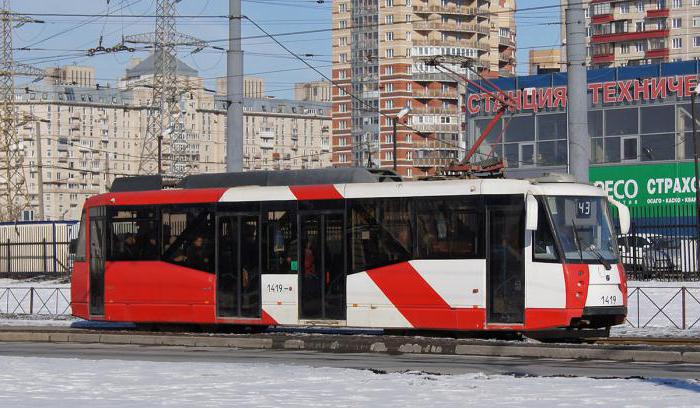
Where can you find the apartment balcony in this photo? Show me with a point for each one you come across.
(433, 76)
(435, 111)
(657, 53)
(441, 26)
(603, 58)
(478, 45)
(435, 127)
(506, 41)
(453, 9)
(628, 36)
(602, 18)
(658, 13)
(427, 162)
(266, 134)
(435, 93)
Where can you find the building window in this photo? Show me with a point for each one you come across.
(624, 48)
(624, 8)
(696, 41)
(677, 23)
(389, 3)
(599, 9)
(389, 36)
(389, 19)
(389, 53)
(676, 4)
(677, 42)
(640, 5)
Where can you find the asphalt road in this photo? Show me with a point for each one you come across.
(438, 364)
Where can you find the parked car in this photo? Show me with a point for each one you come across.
(682, 250)
(644, 257)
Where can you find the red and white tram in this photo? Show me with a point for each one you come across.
(483, 254)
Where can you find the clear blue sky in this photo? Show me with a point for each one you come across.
(62, 40)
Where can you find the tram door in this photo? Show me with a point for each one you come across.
(506, 268)
(322, 267)
(98, 245)
(238, 266)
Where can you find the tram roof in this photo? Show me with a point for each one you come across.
(261, 178)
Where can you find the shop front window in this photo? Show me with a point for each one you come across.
(621, 122)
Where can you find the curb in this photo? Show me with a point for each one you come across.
(328, 343)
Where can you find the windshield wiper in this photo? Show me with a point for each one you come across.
(577, 239)
(600, 257)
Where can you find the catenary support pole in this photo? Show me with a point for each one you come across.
(39, 170)
(234, 90)
(693, 116)
(394, 122)
(579, 142)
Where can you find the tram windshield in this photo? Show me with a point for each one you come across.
(584, 228)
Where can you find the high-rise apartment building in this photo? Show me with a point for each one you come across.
(624, 32)
(94, 134)
(379, 47)
(544, 61)
(319, 91)
(253, 87)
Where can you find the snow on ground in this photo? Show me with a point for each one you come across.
(56, 383)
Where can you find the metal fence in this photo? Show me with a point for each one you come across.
(658, 307)
(661, 244)
(664, 307)
(36, 248)
(44, 301)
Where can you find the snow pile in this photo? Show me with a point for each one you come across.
(55, 383)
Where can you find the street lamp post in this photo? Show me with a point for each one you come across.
(697, 177)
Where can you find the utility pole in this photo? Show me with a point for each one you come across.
(579, 142)
(107, 183)
(234, 90)
(693, 95)
(40, 170)
(395, 124)
(164, 112)
(14, 197)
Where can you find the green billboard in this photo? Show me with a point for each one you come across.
(652, 185)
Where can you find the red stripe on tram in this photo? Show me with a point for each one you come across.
(415, 299)
(316, 192)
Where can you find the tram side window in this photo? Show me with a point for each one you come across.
(449, 228)
(544, 249)
(280, 241)
(133, 234)
(382, 232)
(188, 237)
(80, 247)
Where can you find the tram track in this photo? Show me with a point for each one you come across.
(643, 349)
(646, 341)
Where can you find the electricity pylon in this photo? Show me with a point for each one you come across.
(164, 114)
(14, 197)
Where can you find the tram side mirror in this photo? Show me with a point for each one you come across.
(531, 211)
(623, 214)
(73, 246)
